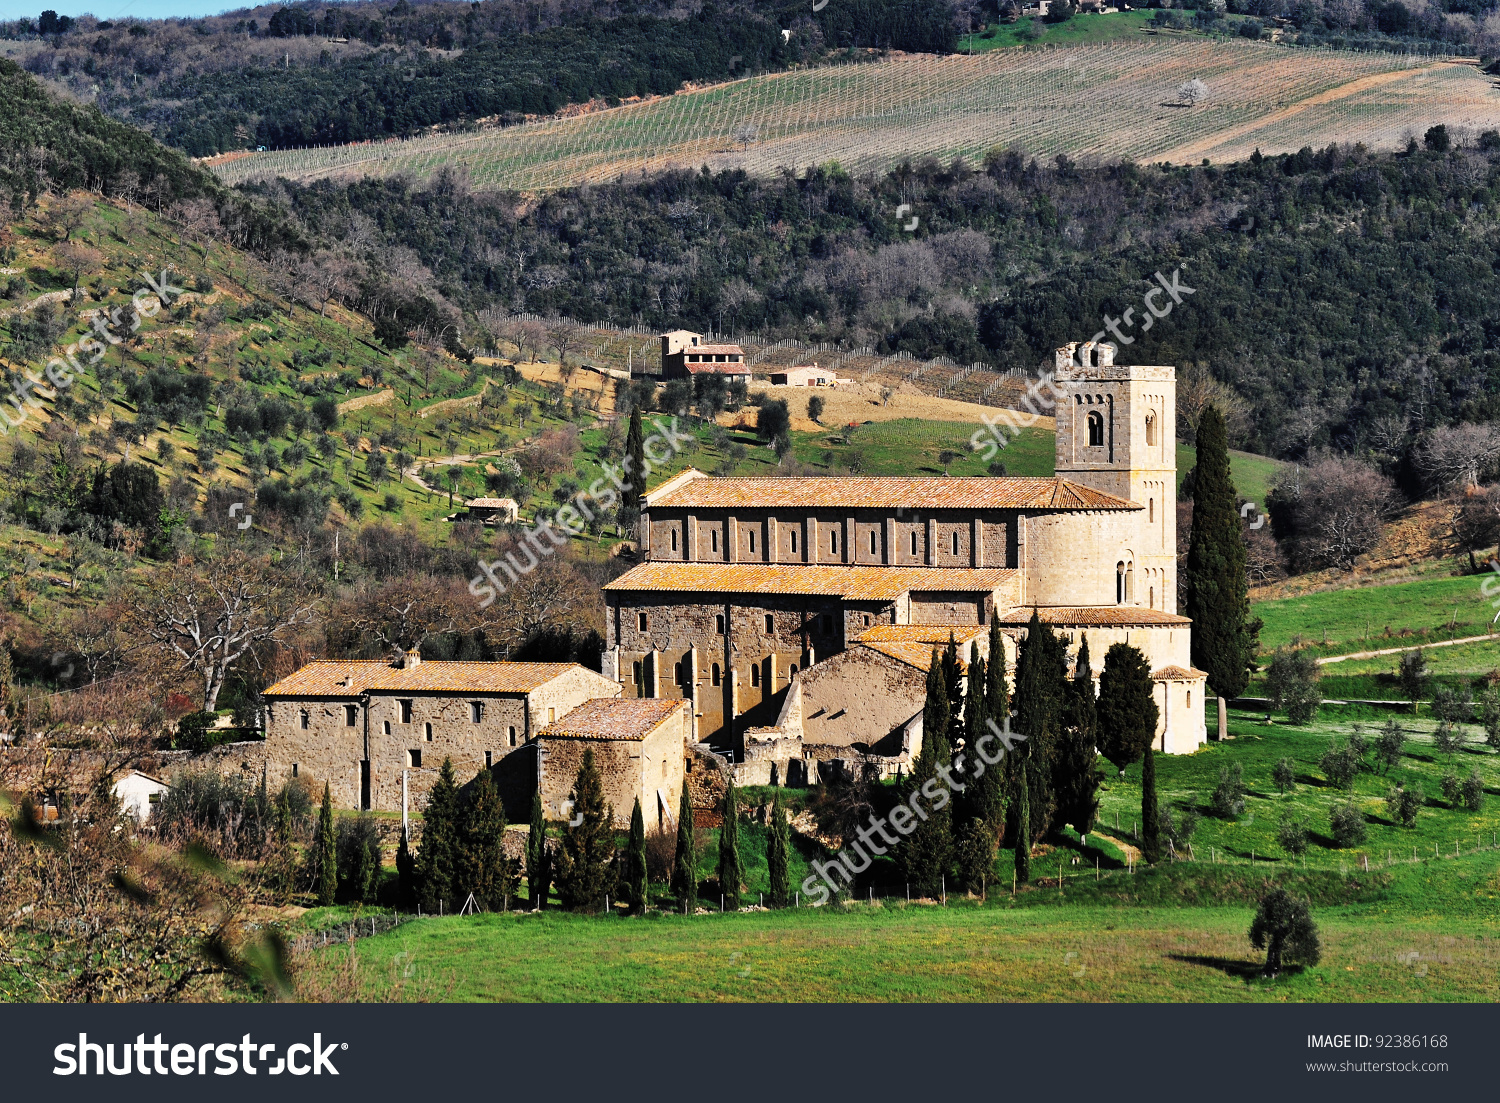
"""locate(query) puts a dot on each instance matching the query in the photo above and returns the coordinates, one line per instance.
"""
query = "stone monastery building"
(779, 627)
(799, 614)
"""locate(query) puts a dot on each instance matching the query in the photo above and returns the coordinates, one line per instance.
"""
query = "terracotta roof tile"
(1177, 674)
(912, 653)
(920, 633)
(853, 583)
(613, 718)
(889, 492)
(327, 678)
(715, 349)
(1081, 616)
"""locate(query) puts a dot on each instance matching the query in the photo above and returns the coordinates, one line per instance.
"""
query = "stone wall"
(650, 770)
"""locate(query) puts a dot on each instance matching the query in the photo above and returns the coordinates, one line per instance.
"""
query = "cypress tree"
(1021, 756)
(483, 868)
(635, 860)
(729, 850)
(1218, 601)
(925, 854)
(406, 873)
(635, 455)
(1041, 698)
(1079, 777)
(538, 859)
(685, 868)
(979, 804)
(953, 678)
(1150, 827)
(996, 692)
(778, 847)
(325, 853)
(584, 861)
(1126, 709)
(974, 702)
(437, 856)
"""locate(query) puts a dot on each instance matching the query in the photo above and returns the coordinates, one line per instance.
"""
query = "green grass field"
(1403, 930)
(1086, 28)
(1357, 618)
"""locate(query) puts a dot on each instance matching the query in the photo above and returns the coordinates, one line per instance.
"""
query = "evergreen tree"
(635, 860)
(1079, 777)
(538, 858)
(1041, 698)
(953, 678)
(483, 868)
(7, 689)
(635, 455)
(778, 850)
(1224, 636)
(925, 854)
(996, 692)
(974, 701)
(729, 850)
(1021, 757)
(685, 868)
(1150, 816)
(325, 853)
(1126, 708)
(980, 803)
(406, 873)
(584, 873)
(437, 856)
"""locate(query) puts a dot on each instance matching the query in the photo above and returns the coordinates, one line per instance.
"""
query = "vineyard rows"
(1106, 100)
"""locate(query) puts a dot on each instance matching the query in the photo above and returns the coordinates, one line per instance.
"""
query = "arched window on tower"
(1151, 429)
(1096, 429)
(1120, 582)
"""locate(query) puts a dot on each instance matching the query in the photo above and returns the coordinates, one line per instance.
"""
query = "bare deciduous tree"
(1192, 92)
(209, 615)
(1331, 512)
(1457, 455)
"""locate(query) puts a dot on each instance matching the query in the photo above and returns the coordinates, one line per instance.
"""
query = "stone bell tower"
(1117, 432)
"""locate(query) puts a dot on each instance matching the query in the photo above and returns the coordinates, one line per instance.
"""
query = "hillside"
(1111, 100)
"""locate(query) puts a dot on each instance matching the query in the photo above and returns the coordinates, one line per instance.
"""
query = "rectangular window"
(427, 732)
(405, 711)
(770, 623)
(414, 759)
(641, 621)
(351, 715)
(304, 720)
(551, 715)
(476, 711)
(386, 726)
(512, 735)
(294, 769)
(489, 759)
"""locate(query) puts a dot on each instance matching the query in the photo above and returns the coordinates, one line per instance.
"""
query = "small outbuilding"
(805, 377)
(492, 511)
(640, 748)
(139, 794)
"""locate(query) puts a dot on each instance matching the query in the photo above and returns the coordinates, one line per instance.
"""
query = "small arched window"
(674, 539)
(955, 541)
(770, 622)
(1190, 698)
(791, 672)
(719, 623)
(713, 540)
(1151, 429)
(1120, 583)
(1096, 429)
(714, 674)
(1150, 509)
(794, 541)
(755, 675)
(913, 542)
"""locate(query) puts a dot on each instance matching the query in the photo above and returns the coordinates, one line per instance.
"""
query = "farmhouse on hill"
(778, 605)
(685, 354)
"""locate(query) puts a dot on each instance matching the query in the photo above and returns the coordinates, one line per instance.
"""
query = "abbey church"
(798, 615)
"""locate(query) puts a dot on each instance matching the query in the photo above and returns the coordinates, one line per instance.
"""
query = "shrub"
(195, 732)
(1473, 792)
(1390, 745)
(1229, 794)
(1448, 739)
(357, 845)
(1179, 829)
(1339, 765)
(1489, 716)
(1451, 787)
(1403, 802)
(1293, 836)
(1283, 776)
(1347, 825)
(1284, 928)
(1449, 705)
(1292, 682)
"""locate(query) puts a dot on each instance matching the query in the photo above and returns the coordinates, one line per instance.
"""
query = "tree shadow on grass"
(1247, 971)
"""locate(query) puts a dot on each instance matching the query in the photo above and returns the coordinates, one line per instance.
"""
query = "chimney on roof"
(412, 659)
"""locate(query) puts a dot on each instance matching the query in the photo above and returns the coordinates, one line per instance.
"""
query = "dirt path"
(1133, 852)
(1194, 150)
(1400, 650)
